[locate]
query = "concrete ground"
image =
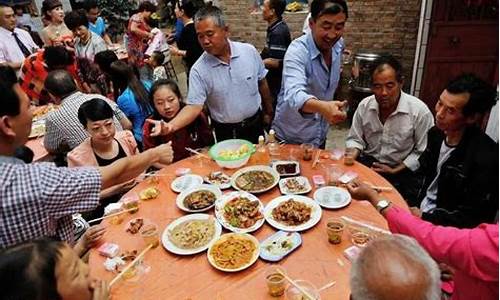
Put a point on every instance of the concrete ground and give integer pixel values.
(336, 135)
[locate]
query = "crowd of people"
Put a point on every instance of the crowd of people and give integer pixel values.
(118, 117)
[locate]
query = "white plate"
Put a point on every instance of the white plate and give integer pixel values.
(315, 213)
(202, 187)
(219, 211)
(185, 182)
(275, 165)
(223, 237)
(167, 244)
(221, 186)
(332, 197)
(301, 179)
(255, 168)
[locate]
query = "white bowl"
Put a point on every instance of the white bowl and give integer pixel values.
(233, 144)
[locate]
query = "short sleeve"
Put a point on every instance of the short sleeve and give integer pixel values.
(198, 90)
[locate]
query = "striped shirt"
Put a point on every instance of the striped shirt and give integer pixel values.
(63, 130)
(39, 200)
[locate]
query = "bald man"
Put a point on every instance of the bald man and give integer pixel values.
(394, 268)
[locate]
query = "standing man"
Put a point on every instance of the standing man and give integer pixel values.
(277, 41)
(15, 44)
(389, 129)
(96, 23)
(229, 77)
(460, 163)
(311, 74)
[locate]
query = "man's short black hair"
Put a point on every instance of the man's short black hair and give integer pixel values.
(57, 56)
(94, 110)
(189, 7)
(328, 7)
(104, 59)
(10, 100)
(60, 83)
(482, 95)
(90, 4)
(278, 6)
(75, 19)
(391, 61)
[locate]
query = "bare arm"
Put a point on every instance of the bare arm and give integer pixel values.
(107, 39)
(185, 117)
(135, 29)
(125, 122)
(130, 167)
(272, 63)
(267, 99)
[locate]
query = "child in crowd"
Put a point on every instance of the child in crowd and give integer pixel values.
(156, 62)
(166, 100)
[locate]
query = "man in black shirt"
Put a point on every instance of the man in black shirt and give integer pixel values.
(277, 41)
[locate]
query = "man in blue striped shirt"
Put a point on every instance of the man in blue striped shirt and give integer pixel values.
(311, 73)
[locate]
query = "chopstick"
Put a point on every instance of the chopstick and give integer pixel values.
(316, 158)
(301, 289)
(197, 152)
(328, 285)
(379, 188)
(112, 215)
(130, 265)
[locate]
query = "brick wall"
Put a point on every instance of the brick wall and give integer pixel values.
(373, 26)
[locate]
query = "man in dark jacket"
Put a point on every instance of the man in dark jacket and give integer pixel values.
(460, 163)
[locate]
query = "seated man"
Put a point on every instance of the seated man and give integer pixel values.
(460, 163)
(394, 268)
(63, 130)
(36, 67)
(389, 129)
(39, 200)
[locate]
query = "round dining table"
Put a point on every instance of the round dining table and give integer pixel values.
(172, 276)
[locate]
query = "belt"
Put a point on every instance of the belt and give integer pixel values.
(245, 123)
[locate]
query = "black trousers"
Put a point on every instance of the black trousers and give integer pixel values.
(249, 129)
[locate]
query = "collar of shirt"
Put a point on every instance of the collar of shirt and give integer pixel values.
(235, 52)
(5, 31)
(10, 160)
(314, 51)
(403, 105)
(274, 25)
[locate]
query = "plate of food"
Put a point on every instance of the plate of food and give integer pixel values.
(134, 226)
(294, 185)
(292, 213)
(286, 167)
(191, 234)
(255, 179)
(332, 197)
(37, 129)
(279, 245)
(240, 212)
(185, 182)
(199, 198)
(233, 252)
(220, 179)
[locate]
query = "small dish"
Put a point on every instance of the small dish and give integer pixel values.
(286, 167)
(295, 185)
(185, 182)
(332, 197)
(219, 179)
(279, 245)
(180, 201)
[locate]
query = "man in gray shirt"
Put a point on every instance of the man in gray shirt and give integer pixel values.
(229, 77)
(389, 129)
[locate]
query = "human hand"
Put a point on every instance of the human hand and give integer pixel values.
(382, 168)
(92, 236)
(174, 50)
(334, 112)
(164, 153)
(159, 127)
(267, 119)
(361, 191)
(416, 212)
(100, 290)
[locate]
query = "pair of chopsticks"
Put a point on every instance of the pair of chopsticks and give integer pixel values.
(379, 188)
(197, 152)
(112, 215)
(120, 275)
(301, 289)
(316, 158)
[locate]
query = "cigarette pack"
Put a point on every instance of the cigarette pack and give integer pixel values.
(348, 177)
(352, 253)
(318, 180)
(108, 250)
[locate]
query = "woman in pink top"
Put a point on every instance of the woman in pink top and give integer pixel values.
(473, 253)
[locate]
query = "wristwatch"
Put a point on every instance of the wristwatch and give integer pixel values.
(382, 204)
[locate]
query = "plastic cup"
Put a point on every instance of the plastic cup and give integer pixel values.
(276, 283)
(293, 293)
(349, 157)
(150, 235)
(360, 238)
(335, 229)
(333, 172)
(307, 151)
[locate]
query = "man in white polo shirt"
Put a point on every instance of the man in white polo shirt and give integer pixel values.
(15, 44)
(229, 77)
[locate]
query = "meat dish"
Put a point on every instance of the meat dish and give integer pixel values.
(292, 213)
(242, 212)
(199, 199)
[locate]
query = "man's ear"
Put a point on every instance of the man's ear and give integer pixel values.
(6, 127)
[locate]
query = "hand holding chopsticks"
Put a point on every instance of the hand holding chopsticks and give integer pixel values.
(129, 266)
